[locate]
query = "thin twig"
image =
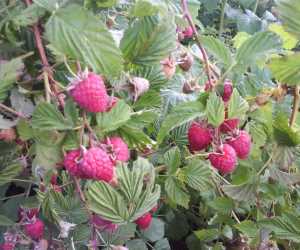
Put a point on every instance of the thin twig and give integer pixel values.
(295, 106)
(189, 18)
(265, 165)
(12, 111)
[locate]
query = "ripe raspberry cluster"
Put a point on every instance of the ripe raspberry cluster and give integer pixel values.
(33, 226)
(145, 220)
(227, 148)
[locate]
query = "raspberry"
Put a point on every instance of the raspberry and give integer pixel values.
(71, 162)
(89, 92)
(8, 135)
(224, 159)
(104, 224)
(169, 67)
(35, 230)
(144, 221)
(96, 164)
(118, 148)
(186, 61)
(241, 144)
(229, 125)
(188, 32)
(199, 137)
(7, 246)
(227, 91)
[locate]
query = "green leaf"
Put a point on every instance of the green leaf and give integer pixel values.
(29, 15)
(283, 133)
(162, 244)
(188, 111)
(244, 192)
(105, 201)
(149, 40)
(176, 193)
(207, 234)
(256, 47)
(71, 112)
(284, 177)
(51, 5)
(172, 159)
(24, 130)
(4, 221)
(240, 38)
(10, 172)
(156, 231)
(217, 49)
(115, 118)
(47, 117)
(248, 228)
(106, 3)
(286, 226)
(9, 71)
(136, 244)
(288, 40)
(215, 110)
(223, 205)
(145, 8)
(237, 106)
(289, 11)
(286, 69)
(77, 33)
(198, 175)
(48, 156)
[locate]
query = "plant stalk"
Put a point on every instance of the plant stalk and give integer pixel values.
(295, 106)
(221, 28)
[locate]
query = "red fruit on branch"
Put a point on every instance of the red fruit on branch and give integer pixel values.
(227, 91)
(104, 224)
(89, 91)
(71, 162)
(35, 230)
(229, 125)
(96, 164)
(241, 144)
(118, 148)
(144, 221)
(199, 137)
(188, 32)
(224, 159)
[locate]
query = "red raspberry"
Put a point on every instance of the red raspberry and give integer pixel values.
(224, 159)
(168, 67)
(241, 144)
(7, 246)
(188, 32)
(199, 137)
(71, 162)
(89, 92)
(144, 221)
(96, 164)
(229, 125)
(8, 135)
(118, 148)
(104, 224)
(227, 91)
(35, 230)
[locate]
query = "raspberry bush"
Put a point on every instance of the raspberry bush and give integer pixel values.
(149, 124)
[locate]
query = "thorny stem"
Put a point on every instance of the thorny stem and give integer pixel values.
(295, 106)
(43, 57)
(188, 16)
(12, 111)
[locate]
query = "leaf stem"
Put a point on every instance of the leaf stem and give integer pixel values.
(189, 18)
(295, 106)
(221, 28)
(265, 165)
(12, 111)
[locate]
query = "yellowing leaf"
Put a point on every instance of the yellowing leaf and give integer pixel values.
(288, 40)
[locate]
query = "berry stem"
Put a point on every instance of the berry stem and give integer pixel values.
(12, 111)
(44, 60)
(295, 106)
(189, 18)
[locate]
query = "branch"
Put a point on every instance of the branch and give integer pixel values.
(12, 111)
(188, 16)
(295, 106)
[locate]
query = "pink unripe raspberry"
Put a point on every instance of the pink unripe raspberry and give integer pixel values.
(8, 135)
(188, 32)
(7, 246)
(144, 221)
(227, 91)
(199, 137)
(96, 164)
(104, 224)
(118, 148)
(229, 125)
(71, 162)
(89, 92)
(241, 144)
(35, 230)
(224, 159)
